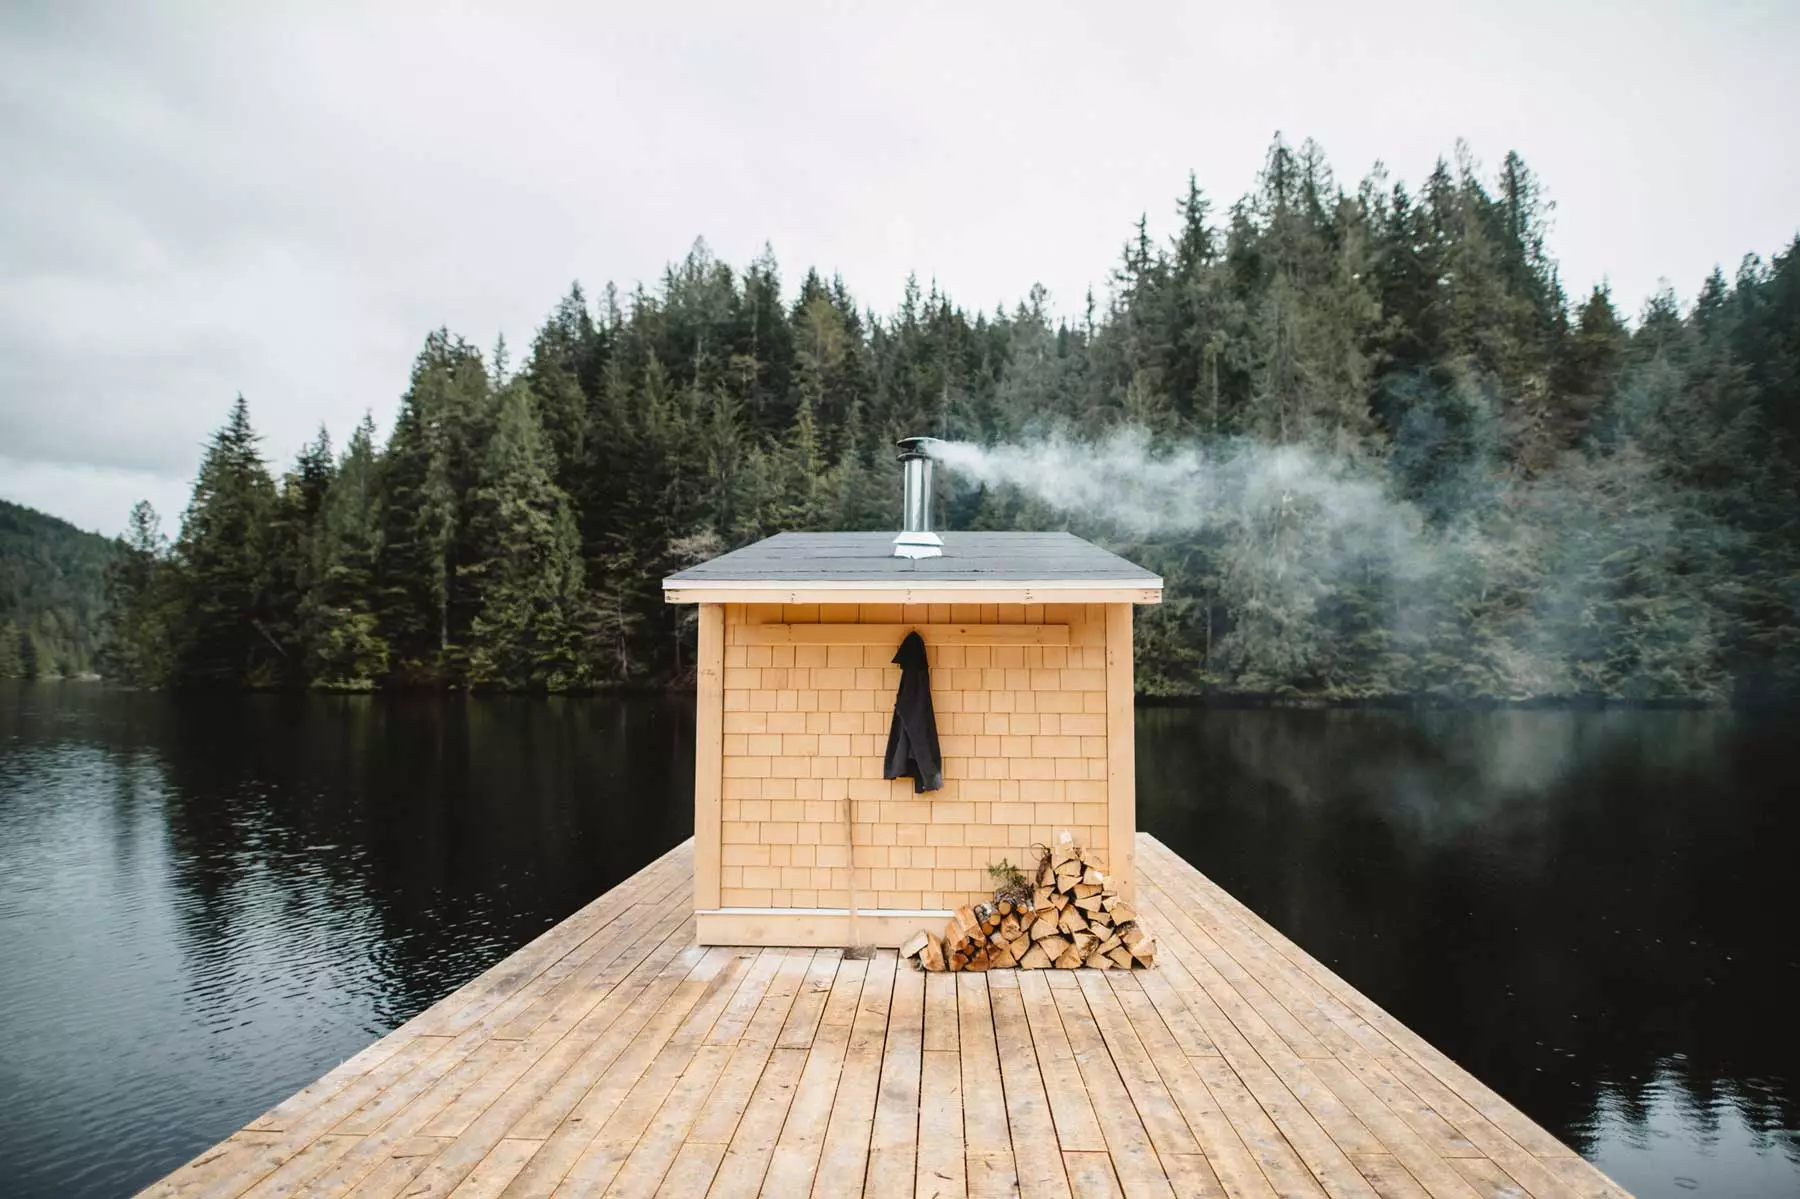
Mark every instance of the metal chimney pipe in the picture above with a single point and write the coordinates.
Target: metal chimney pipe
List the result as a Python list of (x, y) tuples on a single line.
[(916, 540)]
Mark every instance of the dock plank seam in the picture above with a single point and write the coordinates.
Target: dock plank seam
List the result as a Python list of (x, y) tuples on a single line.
[(612, 1055)]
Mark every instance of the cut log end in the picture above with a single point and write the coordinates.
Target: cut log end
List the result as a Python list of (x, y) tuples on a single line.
[(915, 944), (1074, 918)]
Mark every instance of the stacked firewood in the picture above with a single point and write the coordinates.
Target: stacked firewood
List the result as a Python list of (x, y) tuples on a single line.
[(1067, 914)]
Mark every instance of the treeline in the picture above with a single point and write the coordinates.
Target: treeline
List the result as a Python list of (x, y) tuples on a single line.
[(1629, 485), (52, 576)]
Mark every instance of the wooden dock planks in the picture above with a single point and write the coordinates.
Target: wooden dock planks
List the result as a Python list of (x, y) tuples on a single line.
[(612, 1056)]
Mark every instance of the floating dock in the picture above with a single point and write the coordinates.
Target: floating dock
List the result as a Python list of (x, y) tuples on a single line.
[(614, 1055)]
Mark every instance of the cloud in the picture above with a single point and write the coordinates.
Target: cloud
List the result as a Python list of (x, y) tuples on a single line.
[(95, 498), (207, 199)]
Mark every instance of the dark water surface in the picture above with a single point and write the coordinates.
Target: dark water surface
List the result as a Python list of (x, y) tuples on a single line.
[(1594, 912), (207, 903)]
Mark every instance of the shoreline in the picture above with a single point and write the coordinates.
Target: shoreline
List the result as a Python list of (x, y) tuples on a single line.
[(1240, 701)]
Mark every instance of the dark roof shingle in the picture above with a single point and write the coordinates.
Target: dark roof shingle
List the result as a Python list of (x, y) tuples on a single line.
[(851, 558)]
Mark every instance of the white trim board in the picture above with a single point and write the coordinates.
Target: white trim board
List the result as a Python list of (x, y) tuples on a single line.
[(914, 591), (813, 928)]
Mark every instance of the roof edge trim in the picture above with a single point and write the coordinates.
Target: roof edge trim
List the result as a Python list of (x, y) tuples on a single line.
[(915, 583)]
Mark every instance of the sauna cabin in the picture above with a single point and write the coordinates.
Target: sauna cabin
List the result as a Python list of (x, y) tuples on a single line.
[(799, 839)]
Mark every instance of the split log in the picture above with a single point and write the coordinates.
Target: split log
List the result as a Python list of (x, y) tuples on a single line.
[(1141, 945), (1075, 917)]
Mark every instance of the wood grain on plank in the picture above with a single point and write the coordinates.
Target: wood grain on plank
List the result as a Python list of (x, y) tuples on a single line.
[(942, 1170), (1133, 1155), (1036, 1155), (844, 1157), (894, 1132), (730, 1096), (1071, 1106), (795, 1162), (612, 1055), (747, 1158)]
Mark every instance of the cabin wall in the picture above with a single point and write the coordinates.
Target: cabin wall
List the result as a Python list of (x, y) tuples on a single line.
[(802, 732)]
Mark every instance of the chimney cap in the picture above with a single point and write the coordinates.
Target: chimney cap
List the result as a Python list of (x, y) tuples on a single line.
[(916, 447)]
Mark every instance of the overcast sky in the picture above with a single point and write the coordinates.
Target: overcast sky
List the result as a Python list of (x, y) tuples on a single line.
[(207, 199)]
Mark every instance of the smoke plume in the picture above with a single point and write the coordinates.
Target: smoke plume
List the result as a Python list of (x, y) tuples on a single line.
[(1123, 483), (1311, 566)]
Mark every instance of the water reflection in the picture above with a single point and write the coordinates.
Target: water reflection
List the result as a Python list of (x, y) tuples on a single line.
[(209, 902), (1718, 1137), (1594, 912)]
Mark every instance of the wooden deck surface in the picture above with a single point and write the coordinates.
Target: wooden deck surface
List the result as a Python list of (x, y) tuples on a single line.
[(613, 1056)]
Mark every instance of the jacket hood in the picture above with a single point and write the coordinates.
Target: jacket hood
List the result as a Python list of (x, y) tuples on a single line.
[(911, 654)]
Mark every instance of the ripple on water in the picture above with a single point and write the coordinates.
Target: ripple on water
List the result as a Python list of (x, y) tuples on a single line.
[(194, 927), (208, 904)]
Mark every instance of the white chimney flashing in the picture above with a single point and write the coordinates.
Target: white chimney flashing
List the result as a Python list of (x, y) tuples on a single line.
[(918, 545)]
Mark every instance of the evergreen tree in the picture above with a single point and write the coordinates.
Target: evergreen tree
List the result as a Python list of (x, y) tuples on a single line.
[(292, 560), (559, 355), (343, 638), (526, 569), (28, 664), (52, 584), (424, 608), (1554, 500), (222, 604), (1585, 371), (140, 588)]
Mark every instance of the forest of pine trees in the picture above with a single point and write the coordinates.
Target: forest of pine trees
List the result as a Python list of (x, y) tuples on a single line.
[(52, 575), (1624, 485)]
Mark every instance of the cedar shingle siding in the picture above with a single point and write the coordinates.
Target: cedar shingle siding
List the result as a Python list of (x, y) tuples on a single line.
[(1023, 733)]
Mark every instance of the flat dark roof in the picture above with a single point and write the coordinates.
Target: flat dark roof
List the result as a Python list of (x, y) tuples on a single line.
[(969, 559)]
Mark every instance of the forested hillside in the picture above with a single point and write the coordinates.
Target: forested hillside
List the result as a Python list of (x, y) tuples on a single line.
[(1608, 499), (51, 580)]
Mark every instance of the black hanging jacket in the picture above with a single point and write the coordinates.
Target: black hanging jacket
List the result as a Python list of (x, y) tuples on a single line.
[(912, 748)]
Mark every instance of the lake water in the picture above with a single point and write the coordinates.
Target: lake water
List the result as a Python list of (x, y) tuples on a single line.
[(208, 902)]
